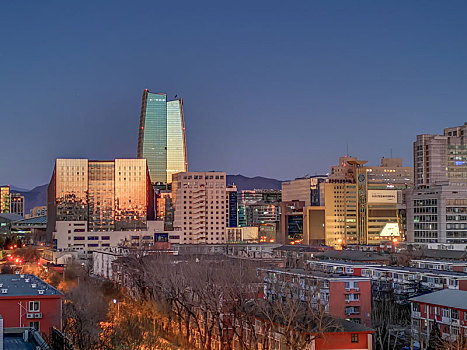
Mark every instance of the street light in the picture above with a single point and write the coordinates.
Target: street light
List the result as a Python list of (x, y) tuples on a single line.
[(115, 301)]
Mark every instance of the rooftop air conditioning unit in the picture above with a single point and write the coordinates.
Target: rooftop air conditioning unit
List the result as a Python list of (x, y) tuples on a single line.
[(4, 290), (40, 291), (33, 285)]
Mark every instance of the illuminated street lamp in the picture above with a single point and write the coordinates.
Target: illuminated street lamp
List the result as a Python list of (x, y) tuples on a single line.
[(115, 301)]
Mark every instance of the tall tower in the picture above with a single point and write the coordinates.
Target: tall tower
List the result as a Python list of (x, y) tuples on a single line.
[(161, 138)]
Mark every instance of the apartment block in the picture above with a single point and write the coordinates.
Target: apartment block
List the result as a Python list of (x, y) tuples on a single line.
[(201, 208), (448, 308), (347, 297)]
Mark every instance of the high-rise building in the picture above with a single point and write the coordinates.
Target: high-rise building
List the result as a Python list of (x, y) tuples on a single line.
[(11, 202), (89, 202), (17, 204), (201, 208), (260, 208), (437, 206), (303, 189), (358, 204), (4, 199), (161, 138), (232, 205)]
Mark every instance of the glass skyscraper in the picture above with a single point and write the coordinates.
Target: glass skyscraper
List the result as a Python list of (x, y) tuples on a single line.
[(161, 138)]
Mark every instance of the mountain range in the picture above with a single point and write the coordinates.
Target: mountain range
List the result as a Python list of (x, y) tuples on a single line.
[(38, 195)]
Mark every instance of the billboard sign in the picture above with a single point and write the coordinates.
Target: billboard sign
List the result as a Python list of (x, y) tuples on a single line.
[(382, 196), (391, 229)]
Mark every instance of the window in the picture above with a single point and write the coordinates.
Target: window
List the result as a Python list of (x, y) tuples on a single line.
[(34, 306), (455, 314), (354, 338), (35, 325), (416, 307), (446, 312)]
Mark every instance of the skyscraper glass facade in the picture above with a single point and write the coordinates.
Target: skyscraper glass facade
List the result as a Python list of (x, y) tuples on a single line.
[(108, 195), (161, 138)]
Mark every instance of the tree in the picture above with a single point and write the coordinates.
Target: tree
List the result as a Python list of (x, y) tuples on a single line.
[(434, 341)]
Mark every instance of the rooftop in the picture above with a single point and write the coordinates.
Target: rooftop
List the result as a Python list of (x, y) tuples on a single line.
[(415, 269), (353, 255), (317, 274), (32, 221), (24, 285), (446, 297), (11, 216)]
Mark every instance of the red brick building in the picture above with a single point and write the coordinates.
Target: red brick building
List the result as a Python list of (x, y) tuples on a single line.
[(345, 297), (27, 301), (447, 307)]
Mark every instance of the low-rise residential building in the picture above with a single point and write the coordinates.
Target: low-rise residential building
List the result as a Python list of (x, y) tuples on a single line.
[(448, 308), (346, 297), (440, 265), (27, 301), (402, 282)]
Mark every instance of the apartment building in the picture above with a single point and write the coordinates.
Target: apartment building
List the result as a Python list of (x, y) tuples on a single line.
[(27, 301), (201, 208), (401, 282), (440, 265), (448, 308), (346, 297)]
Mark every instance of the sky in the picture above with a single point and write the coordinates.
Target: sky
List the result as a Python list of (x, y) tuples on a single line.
[(271, 88)]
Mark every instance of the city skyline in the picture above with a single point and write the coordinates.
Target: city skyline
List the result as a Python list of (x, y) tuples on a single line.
[(271, 78)]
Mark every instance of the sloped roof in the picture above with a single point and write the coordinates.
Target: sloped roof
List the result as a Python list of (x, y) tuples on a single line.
[(447, 297)]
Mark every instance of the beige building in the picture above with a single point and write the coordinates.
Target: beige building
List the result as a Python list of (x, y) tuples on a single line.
[(303, 189), (242, 234), (359, 204), (199, 200)]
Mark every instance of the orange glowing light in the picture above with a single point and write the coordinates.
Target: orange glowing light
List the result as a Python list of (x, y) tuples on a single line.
[(340, 241), (395, 241), (272, 240), (15, 246), (11, 257)]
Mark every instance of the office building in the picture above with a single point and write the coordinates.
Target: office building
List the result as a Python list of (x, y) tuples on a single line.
[(39, 211), (4, 199), (232, 205), (161, 138), (303, 189), (17, 203), (357, 204), (260, 208), (437, 206), (90, 202), (200, 204)]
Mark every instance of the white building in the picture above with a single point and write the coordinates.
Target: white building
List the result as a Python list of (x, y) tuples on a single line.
[(437, 206), (200, 204)]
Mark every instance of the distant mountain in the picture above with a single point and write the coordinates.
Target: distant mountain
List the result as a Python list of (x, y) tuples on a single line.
[(34, 198), (251, 183)]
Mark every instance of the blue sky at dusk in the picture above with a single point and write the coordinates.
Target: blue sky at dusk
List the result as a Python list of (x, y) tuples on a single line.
[(273, 88)]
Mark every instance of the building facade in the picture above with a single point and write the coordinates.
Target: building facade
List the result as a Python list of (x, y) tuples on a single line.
[(200, 208), (161, 138), (27, 301), (446, 308), (437, 206), (89, 199), (303, 189), (345, 297)]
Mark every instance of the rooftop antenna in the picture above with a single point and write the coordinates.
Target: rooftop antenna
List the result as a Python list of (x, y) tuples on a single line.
[(347, 149)]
